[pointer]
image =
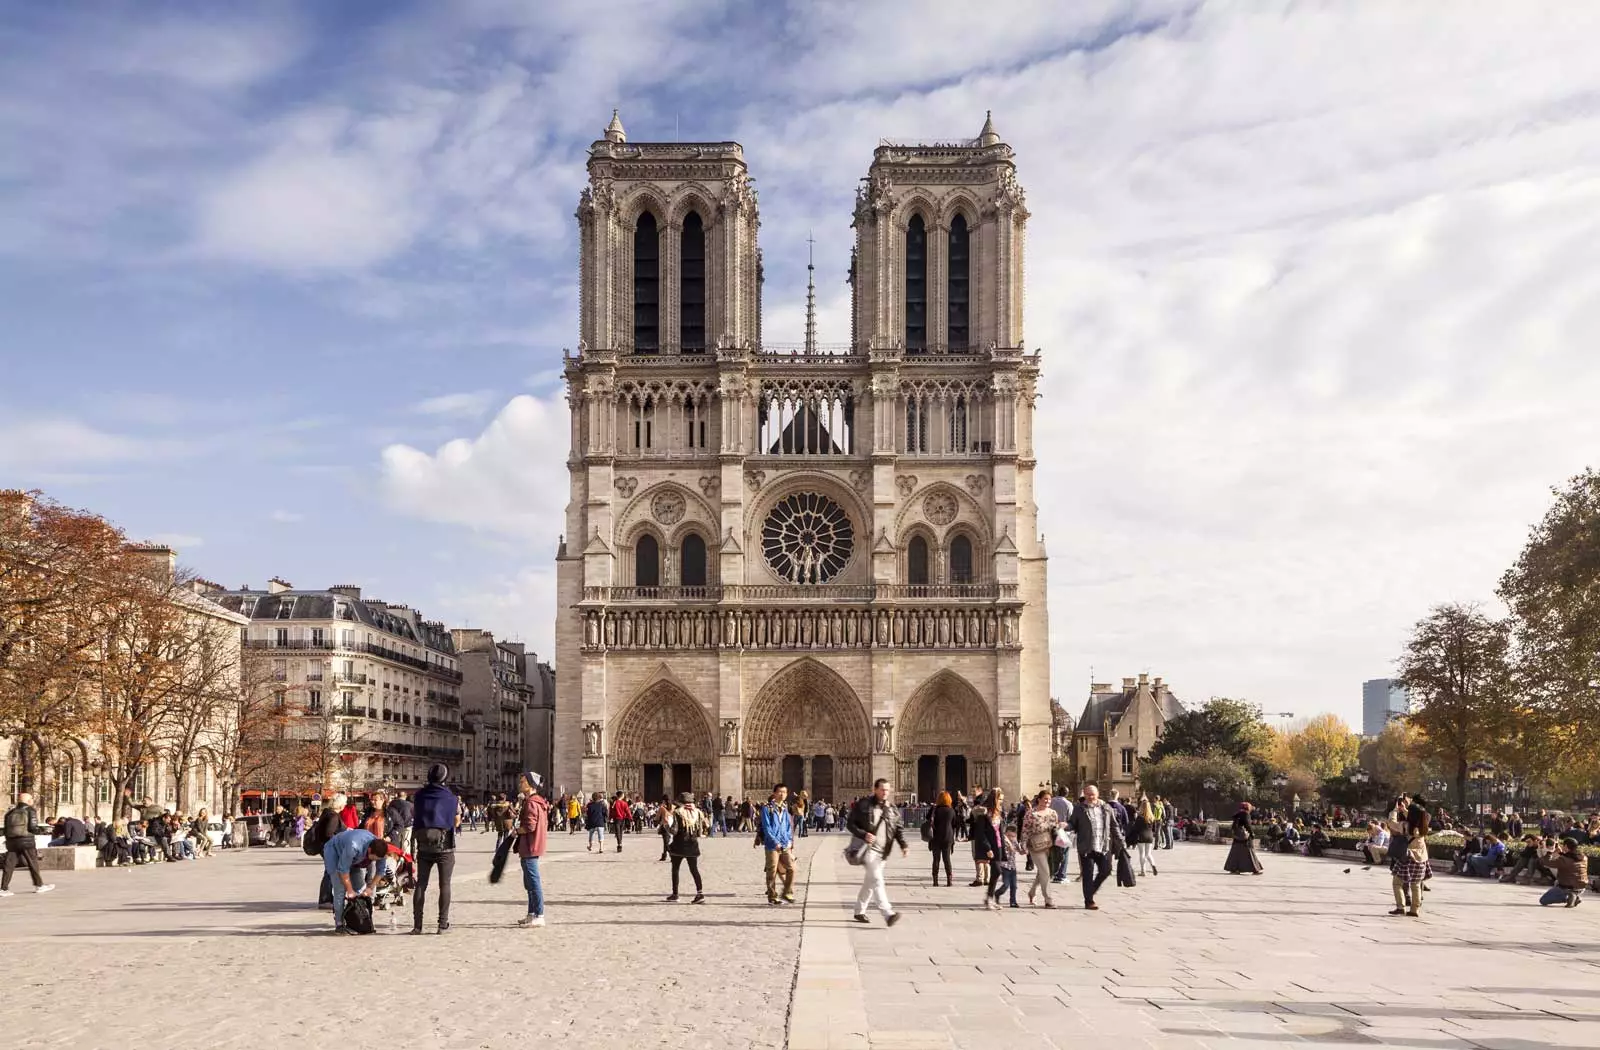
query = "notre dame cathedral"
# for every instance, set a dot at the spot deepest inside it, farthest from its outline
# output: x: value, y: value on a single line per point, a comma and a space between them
x: 808, y: 564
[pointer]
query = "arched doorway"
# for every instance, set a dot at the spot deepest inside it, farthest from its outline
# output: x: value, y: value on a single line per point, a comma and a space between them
x: 662, y: 746
x: 945, y: 740
x: 807, y: 725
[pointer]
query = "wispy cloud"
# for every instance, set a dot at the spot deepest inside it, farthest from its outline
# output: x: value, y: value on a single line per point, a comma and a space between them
x: 287, y: 517
x: 469, y: 405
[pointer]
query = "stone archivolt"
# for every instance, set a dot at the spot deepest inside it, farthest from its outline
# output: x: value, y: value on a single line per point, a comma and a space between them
x: 808, y: 709
x: 665, y: 725
x: 946, y: 716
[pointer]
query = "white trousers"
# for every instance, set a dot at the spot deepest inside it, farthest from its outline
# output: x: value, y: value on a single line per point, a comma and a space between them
x: 872, y: 885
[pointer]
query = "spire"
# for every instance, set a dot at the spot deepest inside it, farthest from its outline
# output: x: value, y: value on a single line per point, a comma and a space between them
x: 614, y: 132
x: 988, y: 136
x: 811, y: 295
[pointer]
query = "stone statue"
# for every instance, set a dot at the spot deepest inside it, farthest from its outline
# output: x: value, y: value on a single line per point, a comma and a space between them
x: 885, y: 736
x: 1008, y: 736
x: 591, y: 740
x: 730, y: 736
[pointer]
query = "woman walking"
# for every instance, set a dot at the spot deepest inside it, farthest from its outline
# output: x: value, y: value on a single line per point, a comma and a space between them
x: 1038, y: 836
x: 1143, y: 835
x: 1242, y: 854
x: 685, y: 826
x: 985, y: 836
x: 1409, y: 867
x: 942, y: 835
x: 594, y: 818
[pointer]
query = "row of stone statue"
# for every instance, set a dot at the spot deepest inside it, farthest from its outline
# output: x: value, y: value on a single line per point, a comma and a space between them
x: 801, y: 629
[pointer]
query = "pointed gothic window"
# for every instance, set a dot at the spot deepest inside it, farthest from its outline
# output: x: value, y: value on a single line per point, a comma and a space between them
x: 646, y: 285
x: 961, y: 560
x: 694, y: 561
x: 958, y: 295
x: 692, y: 285
x: 917, y: 561
x: 647, y: 563
x: 916, y: 285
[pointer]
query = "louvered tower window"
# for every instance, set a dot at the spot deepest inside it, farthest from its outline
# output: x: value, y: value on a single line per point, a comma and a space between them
x: 960, y: 284
x: 692, y: 286
x: 916, y: 285
x: 646, y: 286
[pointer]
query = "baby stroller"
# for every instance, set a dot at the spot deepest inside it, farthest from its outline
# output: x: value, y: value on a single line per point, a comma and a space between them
x: 394, y: 884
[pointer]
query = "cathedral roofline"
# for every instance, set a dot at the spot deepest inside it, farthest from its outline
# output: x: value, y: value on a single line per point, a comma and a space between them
x: 610, y: 149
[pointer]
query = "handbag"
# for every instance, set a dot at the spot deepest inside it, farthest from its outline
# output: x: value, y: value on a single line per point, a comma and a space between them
x: 1063, y: 840
x: 855, y: 854
x: 927, y: 831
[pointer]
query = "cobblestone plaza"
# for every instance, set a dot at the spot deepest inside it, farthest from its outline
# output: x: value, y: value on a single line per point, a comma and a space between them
x: 226, y: 953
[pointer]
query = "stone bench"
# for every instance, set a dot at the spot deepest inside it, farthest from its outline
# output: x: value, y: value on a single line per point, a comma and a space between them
x: 67, y: 858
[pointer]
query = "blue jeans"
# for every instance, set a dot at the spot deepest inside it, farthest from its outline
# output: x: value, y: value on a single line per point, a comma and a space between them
x: 1008, y: 883
x: 1480, y: 864
x: 530, y: 882
x: 1557, y: 895
x: 358, y: 880
x: 599, y: 830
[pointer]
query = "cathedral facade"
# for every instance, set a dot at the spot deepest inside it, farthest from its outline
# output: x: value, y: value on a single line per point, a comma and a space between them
x: 814, y: 565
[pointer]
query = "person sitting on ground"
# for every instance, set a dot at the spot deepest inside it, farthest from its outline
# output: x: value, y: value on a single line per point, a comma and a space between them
x: 1531, y: 859
x: 1290, y: 840
x: 1484, y: 863
x: 1571, y: 869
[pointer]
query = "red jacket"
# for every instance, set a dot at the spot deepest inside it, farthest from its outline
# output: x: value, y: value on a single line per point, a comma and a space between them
x: 533, y: 821
x: 350, y: 815
x: 621, y: 811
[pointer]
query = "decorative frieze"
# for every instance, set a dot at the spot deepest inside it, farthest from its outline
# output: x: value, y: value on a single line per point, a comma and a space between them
x: 670, y: 628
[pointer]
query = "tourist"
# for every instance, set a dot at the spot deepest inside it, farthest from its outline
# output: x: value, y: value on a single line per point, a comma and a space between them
x: 876, y: 822
x: 201, y: 831
x: 1039, y: 837
x: 776, y: 837
x: 1010, y: 850
x: 330, y: 822
x: 1242, y: 854
x: 350, y: 815
x: 1531, y: 858
x: 532, y: 816
x: 621, y: 817
x: 1099, y: 837
x: 1142, y: 834
x: 1114, y: 800
x: 1375, y: 847
x: 346, y: 859
x: 686, y: 825
x: 1571, y: 869
x: 21, y: 825
x: 941, y: 835
x: 1058, y: 854
x: 398, y: 818
x: 986, y: 837
x: 1409, y: 864
x: 1162, y: 810
x: 594, y: 818
x: 574, y: 814
x: 1319, y: 842
x: 434, y: 818
x: 1485, y: 861
x: 830, y: 818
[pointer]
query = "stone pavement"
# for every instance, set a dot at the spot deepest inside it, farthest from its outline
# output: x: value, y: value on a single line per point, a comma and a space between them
x: 1195, y: 958
x: 226, y: 953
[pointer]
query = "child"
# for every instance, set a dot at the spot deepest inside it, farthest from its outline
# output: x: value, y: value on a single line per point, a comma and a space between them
x: 1008, y: 868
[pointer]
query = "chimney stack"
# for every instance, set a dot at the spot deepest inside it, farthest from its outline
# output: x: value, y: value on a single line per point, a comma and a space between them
x: 277, y: 585
x: 159, y: 559
x: 347, y: 590
x: 1127, y: 683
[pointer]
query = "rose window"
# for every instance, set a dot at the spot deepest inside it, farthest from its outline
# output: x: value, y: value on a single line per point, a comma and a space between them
x: 807, y: 538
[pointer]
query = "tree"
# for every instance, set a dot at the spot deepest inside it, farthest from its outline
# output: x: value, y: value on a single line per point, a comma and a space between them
x: 1456, y: 669
x: 55, y: 564
x: 1227, y: 727
x: 1553, y: 592
x: 251, y: 743
x: 1183, y: 777
x: 1392, y: 756
x: 1325, y: 745
x: 208, y: 686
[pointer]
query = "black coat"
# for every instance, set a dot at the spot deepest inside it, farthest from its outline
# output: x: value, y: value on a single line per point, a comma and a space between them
x: 984, y: 844
x: 943, y: 822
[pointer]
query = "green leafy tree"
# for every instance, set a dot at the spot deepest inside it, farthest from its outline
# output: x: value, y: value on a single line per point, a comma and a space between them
x: 1232, y: 728
x: 1183, y: 777
x: 1325, y: 745
x: 1456, y: 668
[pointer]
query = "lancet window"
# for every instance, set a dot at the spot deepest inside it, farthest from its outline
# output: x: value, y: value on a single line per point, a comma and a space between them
x: 958, y: 291
x: 947, y: 418
x: 646, y: 285
x: 807, y: 419
x: 916, y: 284
x: 692, y: 285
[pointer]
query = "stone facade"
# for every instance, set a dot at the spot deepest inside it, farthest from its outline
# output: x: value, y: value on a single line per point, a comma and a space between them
x: 1117, y: 729
x: 808, y: 564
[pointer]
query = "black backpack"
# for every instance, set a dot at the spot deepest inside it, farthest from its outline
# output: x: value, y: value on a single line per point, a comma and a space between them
x: 358, y: 914
x: 314, y: 840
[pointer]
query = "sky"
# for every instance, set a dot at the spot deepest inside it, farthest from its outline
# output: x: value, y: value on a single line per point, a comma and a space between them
x: 1316, y: 286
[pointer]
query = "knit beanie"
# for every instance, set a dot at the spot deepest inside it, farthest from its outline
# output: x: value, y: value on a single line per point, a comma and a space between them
x: 437, y: 773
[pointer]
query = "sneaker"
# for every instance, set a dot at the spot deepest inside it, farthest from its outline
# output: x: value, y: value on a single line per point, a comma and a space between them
x: 788, y: 898
x: 1091, y: 907
x: 672, y: 897
x: 6, y: 893
x: 46, y: 888
x: 531, y: 920
x: 416, y: 931
x: 890, y: 920
x: 859, y: 918
x: 699, y: 898
x: 1397, y: 911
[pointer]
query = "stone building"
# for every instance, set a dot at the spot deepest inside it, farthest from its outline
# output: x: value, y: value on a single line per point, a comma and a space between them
x: 813, y: 564
x: 1118, y: 728
x: 539, y: 721
x: 506, y: 695
x: 373, y: 683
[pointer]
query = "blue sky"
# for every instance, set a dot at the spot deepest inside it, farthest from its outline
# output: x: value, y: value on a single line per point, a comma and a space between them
x: 287, y: 285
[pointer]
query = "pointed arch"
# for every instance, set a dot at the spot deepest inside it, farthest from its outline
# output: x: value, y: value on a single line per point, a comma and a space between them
x: 946, y: 719
x: 958, y: 284
x: 916, y: 290
x: 808, y: 709
x: 646, y: 283
x: 664, y: 725
x: 692, y: 283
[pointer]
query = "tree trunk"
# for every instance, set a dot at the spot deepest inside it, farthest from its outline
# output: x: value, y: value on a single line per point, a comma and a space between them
x: 1461, y: 782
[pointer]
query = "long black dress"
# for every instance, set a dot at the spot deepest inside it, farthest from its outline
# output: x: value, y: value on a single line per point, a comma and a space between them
x: 1242, y: 854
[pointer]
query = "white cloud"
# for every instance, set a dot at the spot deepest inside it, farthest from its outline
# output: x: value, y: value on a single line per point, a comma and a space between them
x: 54, y: 444
x: 287, y: 517
x: 468, y: 405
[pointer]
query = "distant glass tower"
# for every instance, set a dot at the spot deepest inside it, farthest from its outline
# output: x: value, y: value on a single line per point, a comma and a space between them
x: 1381, y: 700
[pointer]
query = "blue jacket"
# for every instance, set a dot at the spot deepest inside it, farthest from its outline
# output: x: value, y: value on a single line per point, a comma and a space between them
x: 435, y: 806
x: 777, y: 830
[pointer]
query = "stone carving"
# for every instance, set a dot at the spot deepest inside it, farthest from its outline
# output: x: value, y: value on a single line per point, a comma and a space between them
x: 668, y: 507
x: 626, y: 486
x: 591, y: 739
x: 976, y: 483
x: 807, y: 538
x: 709, y: 483
x: 940, y: 507
x: 1061, y: 742
x: 861, y: 480
x: 907, y: 484
x: 1009, y: 733
x: 977, y: 626
x: 755, y: 479
x: 883, y: 739
x: 730, y: 736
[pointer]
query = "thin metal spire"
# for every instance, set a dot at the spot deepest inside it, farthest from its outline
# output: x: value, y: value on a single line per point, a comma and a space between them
x: 811, y: 294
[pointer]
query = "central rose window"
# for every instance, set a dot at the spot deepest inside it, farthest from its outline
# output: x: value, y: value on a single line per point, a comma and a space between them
x: 807, y: 538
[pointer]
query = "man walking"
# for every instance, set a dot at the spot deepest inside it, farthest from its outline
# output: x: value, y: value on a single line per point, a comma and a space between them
x: 433, y: 827
x: 21, y: 825
x: 776, y: 836
x: 532, y: 817
x: 621, y: 818
x: 1058, y: 854
x: 876, y: 822
x: 1095, y: 824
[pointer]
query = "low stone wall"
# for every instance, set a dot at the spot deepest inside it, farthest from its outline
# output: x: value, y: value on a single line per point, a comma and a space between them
x: 67, y: 858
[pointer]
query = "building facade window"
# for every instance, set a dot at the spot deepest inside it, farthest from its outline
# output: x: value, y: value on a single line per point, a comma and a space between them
x: 692, y: 284
x: 693, y: 557
x: 957, y: 294
x: 647, y: 562
x: 916, y: 284
x: 1127, y: 761
x: 64, y: 784
x: 961, y: 560
x: 646, y: 285
x: 917, y: 561
x: 280, y: 636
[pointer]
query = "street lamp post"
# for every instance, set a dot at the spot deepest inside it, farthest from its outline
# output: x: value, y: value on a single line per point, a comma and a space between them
x: 1209, y: 785
x: 1482, y: 771
x: 1280, y: 780
x: 1360, y: 778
